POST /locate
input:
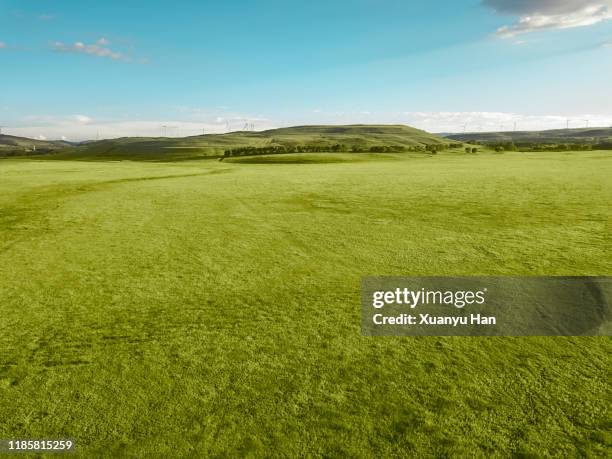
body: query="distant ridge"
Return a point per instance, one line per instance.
(11, 142)
(590, 136)
(360, 136)
(214, 145)
(347, 129)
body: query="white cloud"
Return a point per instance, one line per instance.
(83, 119)
(537, 15)
(98, 49)
(83, 127)
(46, 17)
(2, 45)
(447, 121)
(499, 121)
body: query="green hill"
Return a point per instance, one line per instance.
(21, 146)
(590, 136)
(320, 138)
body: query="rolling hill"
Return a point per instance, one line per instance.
(21, 146)
(591, 136)
(214, 145)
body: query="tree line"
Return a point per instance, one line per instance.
(335, 148)
(534, 146)
(509, 146)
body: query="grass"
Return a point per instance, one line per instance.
(206, 308)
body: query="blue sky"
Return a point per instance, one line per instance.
(80, 69)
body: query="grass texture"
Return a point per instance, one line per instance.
(207, 308)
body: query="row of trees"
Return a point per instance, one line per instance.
(542, 147)
(335, 148)
(510, 146)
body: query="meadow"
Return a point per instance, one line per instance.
(211, 308)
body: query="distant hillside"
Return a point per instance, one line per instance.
(590, 136)
(212, 145)
(21, 146)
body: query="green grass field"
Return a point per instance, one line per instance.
(207, 308)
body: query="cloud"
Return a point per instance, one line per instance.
(83, 127)
(537, 15)
(83, 119)
(498, 121)
(98, 49)
(46, 17)
(521, 7)
(2, 45)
